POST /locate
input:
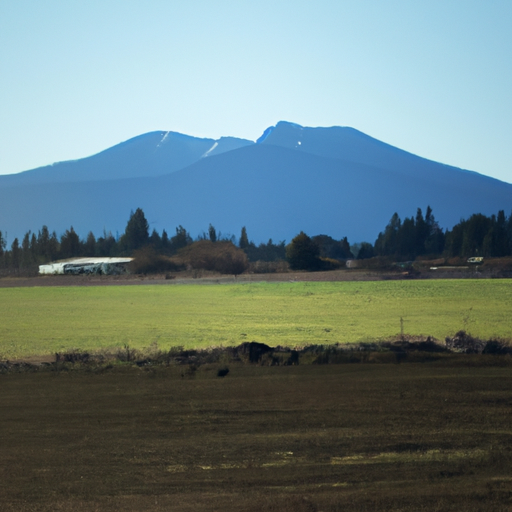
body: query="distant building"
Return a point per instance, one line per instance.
(105, 266)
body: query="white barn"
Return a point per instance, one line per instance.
(76, 266)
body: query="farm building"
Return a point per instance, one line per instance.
(106, 266)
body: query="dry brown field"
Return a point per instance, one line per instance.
(190, 277)
(356, 437)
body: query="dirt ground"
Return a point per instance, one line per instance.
(331, 438)
(198, 278)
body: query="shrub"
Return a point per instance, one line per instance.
(330, 264)
(495, 346)
(148, 261)
(223, 257)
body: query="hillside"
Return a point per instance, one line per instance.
(150, 154)
(336, 181)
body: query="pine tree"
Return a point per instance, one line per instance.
(212, 234)
(15, 254)
(386, 243)
(26, 254)
(2, 250)
(244, 240)
(136, 234)
(2, 244)
(422, 232)
(165, 243)
(155, 240)
(70, 245)
(181, 239)
(90, 245)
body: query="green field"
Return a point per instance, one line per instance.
(44, 320)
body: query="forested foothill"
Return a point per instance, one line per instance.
(408, 243)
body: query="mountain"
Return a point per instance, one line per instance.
(150, 154)
(336, 181)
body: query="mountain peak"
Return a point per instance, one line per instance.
(333, 180)
(265, 134)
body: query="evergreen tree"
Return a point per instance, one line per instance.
(34, 249)
(212, 234)
(26, 253)
(365, 251)
(181, 239)
(434, 243)
(15, 254)
(475, 230)
(266, 252)
(407, 239)
(70, 245)
(331, 248)
(303, 253)
(346, 248)
(43, 244)
(165, 243)
(386, 243)
(90, 245)
(2, 251)
(411, 238)
(136, 234)
(500, 238)
(244, 240)
(155, 240)
(2, 244)
(106, 245)
(422, 232)
(53, 246)
(509, 234)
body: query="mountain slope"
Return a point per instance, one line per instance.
(348, 144)
(150, 154)
(274, 191)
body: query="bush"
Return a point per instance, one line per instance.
(148, 261)
(330, 264)
(223, 257)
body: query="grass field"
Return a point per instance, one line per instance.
(353, 437)
(38, 321)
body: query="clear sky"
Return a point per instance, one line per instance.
(433, 77)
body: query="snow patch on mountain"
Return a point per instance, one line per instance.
(210, 150)
(163, 139)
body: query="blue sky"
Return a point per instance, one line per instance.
(433, 77)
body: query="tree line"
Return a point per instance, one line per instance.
(422, 236)
(416, 236)
(44, 246)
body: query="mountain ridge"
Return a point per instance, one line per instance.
(337, 181)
